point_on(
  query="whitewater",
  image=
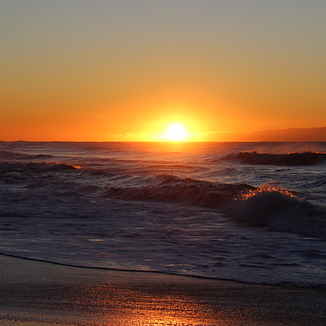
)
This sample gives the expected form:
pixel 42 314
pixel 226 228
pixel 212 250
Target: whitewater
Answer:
pixel 248 212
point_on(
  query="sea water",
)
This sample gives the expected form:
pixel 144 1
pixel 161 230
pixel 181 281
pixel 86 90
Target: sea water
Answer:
pixel 249 212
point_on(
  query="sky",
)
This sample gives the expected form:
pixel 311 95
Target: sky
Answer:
pixel 81 70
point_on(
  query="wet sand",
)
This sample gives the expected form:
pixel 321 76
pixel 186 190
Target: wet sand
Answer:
pixel 43 294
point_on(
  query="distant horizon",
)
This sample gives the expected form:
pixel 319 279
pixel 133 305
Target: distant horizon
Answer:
pixel 289 135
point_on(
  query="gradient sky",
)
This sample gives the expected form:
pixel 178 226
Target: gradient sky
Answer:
pixel 123 70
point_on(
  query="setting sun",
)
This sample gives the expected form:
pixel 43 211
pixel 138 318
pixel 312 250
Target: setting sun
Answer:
pixel 175 132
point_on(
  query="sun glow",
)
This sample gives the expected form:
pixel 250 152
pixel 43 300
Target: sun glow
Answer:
pixel 176 132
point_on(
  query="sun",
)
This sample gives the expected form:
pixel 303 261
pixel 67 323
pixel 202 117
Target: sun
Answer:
pixel 176 132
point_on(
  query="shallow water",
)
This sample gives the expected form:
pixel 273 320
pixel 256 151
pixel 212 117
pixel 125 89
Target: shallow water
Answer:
pixel 242 211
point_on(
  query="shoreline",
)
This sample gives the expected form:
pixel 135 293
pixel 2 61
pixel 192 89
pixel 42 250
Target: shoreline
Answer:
pixel 118 270
pixel 41 293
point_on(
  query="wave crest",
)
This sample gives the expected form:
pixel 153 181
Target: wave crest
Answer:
pixel 187 191
pixel 275 208
pixel 11 155
pixel 291 159
pixel 36 167
pixel 279 210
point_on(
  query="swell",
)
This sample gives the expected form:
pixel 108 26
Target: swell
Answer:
pixel 276 209
pixel 35 167
pixel 186 191
pixel 292 159
pixel 11 155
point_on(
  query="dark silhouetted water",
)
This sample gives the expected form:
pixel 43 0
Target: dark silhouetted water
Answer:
pixel 251 212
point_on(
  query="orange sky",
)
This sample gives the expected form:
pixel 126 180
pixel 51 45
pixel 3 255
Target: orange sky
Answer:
pixel 125 70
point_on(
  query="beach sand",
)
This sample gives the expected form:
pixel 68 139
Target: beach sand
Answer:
pixel 43 294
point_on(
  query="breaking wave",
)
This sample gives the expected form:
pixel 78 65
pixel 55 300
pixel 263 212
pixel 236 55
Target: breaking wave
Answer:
pixel 279 210
pixel 186 191
pixel 276 209
pixel 292 159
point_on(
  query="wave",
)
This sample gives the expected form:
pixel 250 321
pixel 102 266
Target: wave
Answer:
pixel 11 155
pixel 186 191
pixel 277 209
pixel 292 159
pixel 35 167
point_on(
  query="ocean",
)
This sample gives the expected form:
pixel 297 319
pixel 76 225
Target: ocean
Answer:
pixel 248 212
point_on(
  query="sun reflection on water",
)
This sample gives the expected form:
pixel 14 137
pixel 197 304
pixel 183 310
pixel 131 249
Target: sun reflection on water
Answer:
pixel 155 304
pixel 169 310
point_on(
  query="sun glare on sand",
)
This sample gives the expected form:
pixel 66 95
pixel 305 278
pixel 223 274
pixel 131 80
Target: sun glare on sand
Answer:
pixel 176 132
